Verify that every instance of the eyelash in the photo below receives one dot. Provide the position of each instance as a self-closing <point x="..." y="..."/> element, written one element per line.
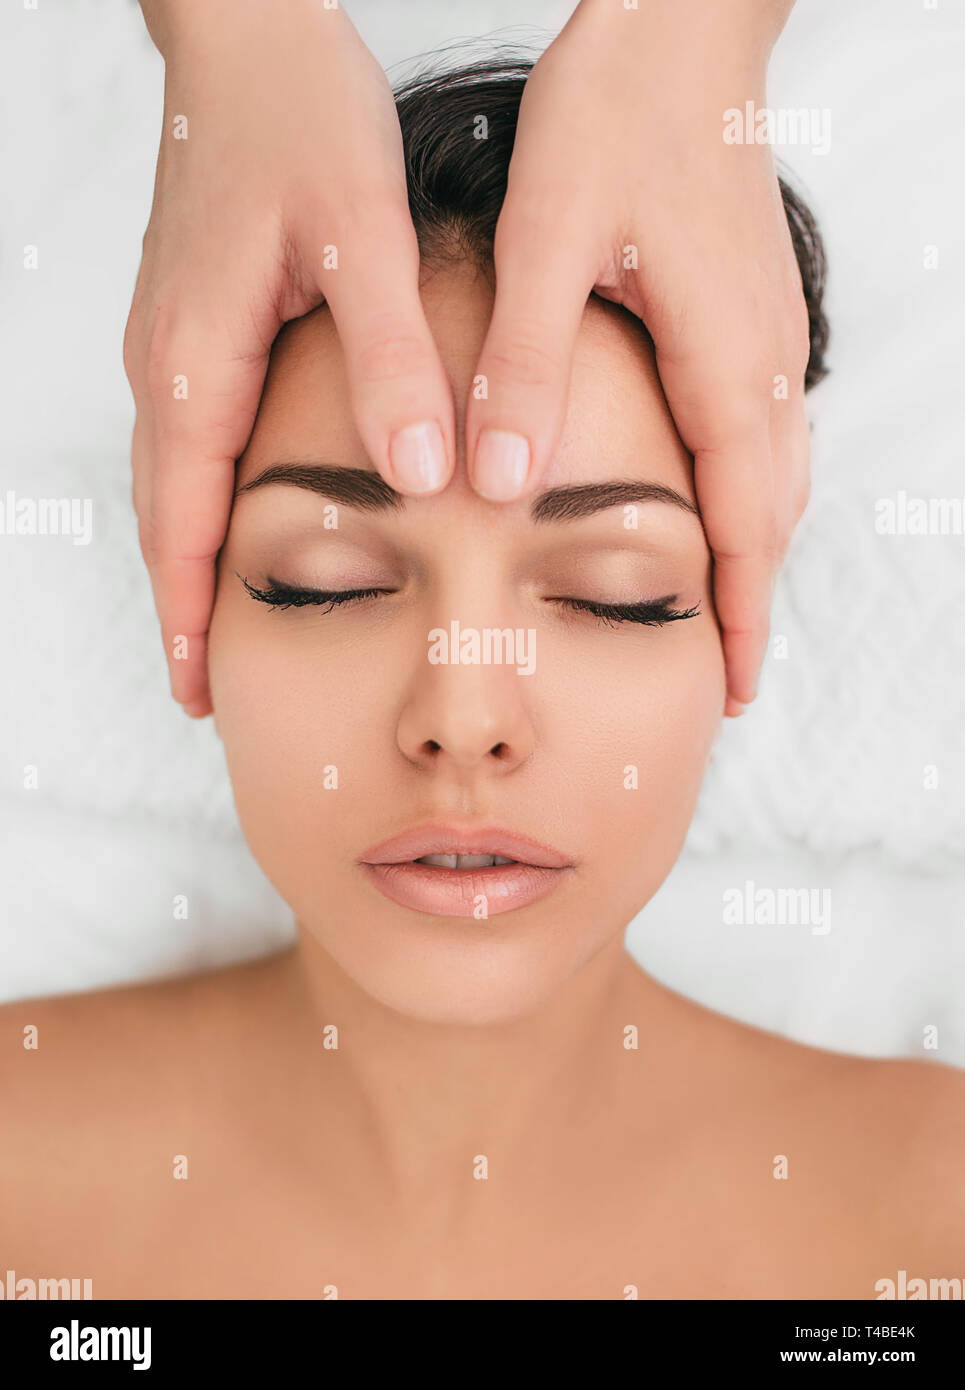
<point x="650" y="612"/>
<point x="288" y="596"/>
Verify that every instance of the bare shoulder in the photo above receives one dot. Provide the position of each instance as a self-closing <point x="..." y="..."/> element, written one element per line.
<point x="908" y="1118"/>
<point x="902" y="1094"/>
<point x="52" y="1046"/>
<point x="888" y="1133"/>
<point x="917" y="1109"/>
<point x="95" y="1087"/>
<point x="870" y="1152"/>
<point x="914" y="1106"/>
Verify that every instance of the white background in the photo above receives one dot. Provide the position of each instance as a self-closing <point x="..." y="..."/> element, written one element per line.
<point x="820" y="785"/>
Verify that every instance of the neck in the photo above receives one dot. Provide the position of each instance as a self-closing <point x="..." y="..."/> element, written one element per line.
<point x="430" y="1105"/>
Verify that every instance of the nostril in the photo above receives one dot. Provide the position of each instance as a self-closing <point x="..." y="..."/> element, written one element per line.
<point x="431" y="750"/>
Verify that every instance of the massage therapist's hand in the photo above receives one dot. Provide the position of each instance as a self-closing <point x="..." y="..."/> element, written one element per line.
<point x="280" y="142"/>
<point x="620" y="145"/>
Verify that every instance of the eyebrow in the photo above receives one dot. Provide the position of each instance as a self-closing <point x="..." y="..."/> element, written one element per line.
<point x="355" y="487"/>
<point x="369" y="492"/>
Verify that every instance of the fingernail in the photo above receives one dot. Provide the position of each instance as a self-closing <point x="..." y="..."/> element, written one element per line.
<point x="501" y="466"/>
<point x="417" y="454"/>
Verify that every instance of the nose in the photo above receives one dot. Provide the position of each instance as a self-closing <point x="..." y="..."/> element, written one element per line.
<point x="467" y="719"/>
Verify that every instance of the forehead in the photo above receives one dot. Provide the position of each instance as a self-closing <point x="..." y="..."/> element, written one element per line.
<point x="617" y="420"/>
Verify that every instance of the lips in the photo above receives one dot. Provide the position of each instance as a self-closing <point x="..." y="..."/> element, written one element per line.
<point x="463" y="861"/>
<point x="448" y="871"/>
<point x="443" y="839"/>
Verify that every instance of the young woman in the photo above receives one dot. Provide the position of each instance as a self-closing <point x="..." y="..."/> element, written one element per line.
<point x="465" y="741"/>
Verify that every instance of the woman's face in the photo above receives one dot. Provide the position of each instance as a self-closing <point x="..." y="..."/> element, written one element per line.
<point x="465" y="706"/>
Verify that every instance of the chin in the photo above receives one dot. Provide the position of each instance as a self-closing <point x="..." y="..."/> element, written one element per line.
<point x="458" y="972"/>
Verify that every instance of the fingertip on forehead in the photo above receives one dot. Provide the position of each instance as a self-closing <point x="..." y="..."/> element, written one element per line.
<point x="614" y="397"/>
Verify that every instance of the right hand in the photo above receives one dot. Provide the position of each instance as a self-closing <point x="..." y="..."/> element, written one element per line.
<point x="293" y="145"/>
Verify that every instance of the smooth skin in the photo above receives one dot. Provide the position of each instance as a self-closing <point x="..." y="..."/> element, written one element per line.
<point x="610" y="1170"/>
<point x="660" y="1177"/>
<point x="292" y="146"/>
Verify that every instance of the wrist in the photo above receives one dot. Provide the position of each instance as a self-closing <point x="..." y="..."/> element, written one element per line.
<point x="178" y="24"/>
<point x="737" y="32"/>
<point x="201" y="28"/>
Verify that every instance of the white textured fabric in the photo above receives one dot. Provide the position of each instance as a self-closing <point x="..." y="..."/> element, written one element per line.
<point x="850" y="768"/>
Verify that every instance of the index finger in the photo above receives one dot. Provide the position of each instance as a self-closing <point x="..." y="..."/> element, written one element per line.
<point x="204" y="400"/>
<point x="735" y="492"/>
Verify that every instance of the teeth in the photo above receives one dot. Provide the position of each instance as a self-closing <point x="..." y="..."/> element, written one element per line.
<point x="464" y="861"/>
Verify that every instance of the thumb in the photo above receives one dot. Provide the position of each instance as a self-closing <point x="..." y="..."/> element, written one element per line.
<point x="517" y="408"/>
<point x="401" y="396"/>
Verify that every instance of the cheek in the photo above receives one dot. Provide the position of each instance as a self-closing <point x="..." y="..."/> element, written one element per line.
<point x="645" y="716"/>
<point x="298" y="730"/>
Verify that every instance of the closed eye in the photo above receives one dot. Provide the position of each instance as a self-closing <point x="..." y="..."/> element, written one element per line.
<point x="650" y="612"/>
<point x="653" y="612"/>
<point x="280" y="595"/>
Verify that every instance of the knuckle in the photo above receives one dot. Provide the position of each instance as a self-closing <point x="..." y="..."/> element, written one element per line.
<point x="392" y="355"/>
<point x="521" y="221"/>
<point x="172" y="349"/>
<point x="364" y="203"/>
<point x="366" y="221"/>
<point x="528" y="217"/>
<point x="524" y="360"/>
<point x="752" y="628"/>
<point x="741" y="406"/>
<point x="160" y="359"/>
<point x="758" y="541"/>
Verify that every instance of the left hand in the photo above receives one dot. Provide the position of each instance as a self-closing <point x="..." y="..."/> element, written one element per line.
<point x="620" y="142"/>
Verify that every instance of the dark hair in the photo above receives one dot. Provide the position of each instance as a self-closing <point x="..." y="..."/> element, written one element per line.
<point x="457" y="182"/>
